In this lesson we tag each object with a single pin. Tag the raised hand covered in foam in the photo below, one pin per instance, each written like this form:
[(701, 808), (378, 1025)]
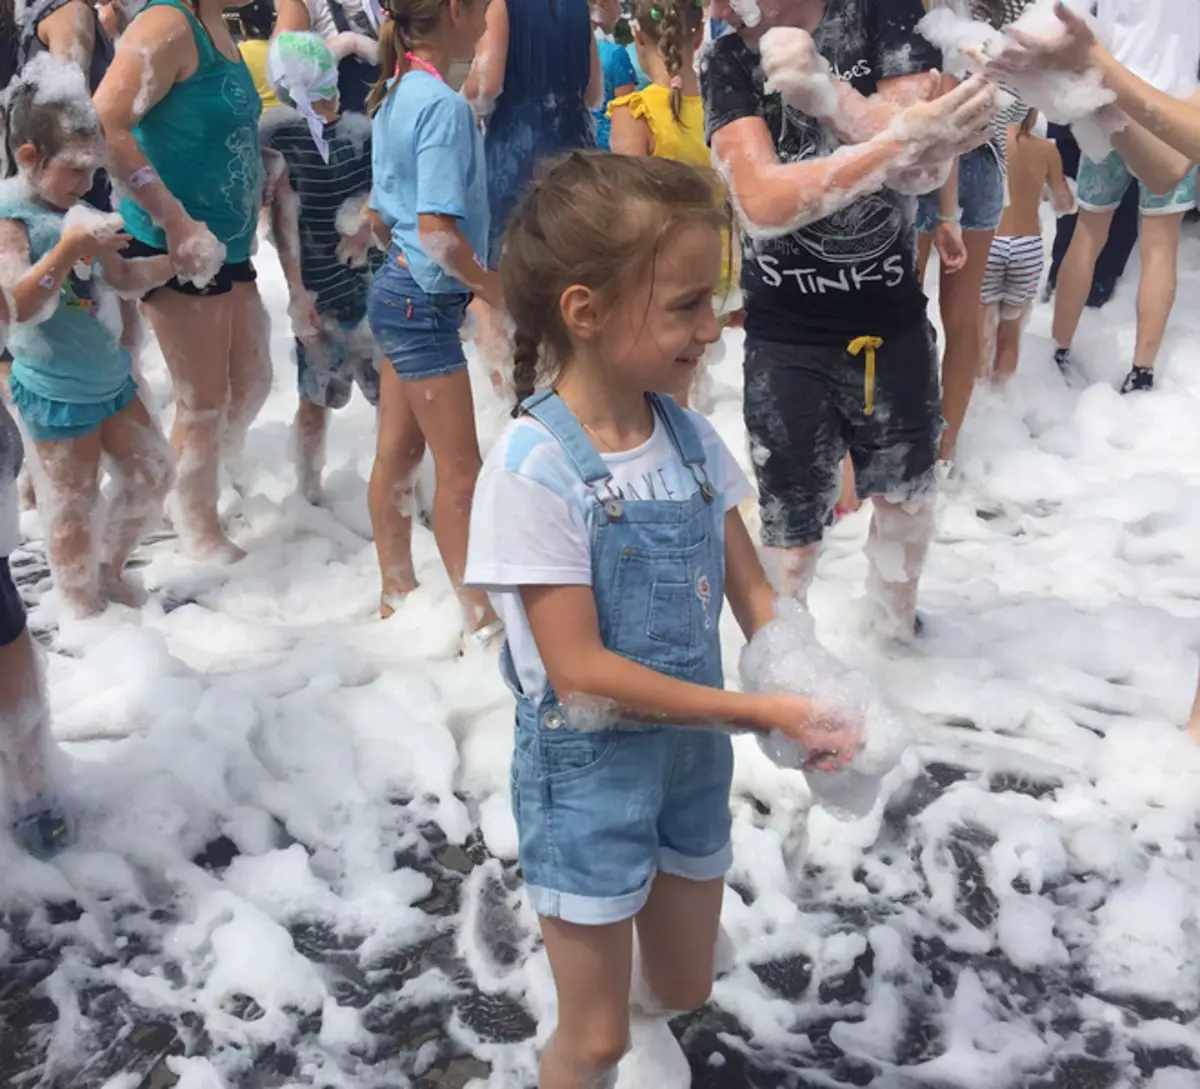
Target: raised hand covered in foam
[(1045, 57), (795, 70), (785, 657), (106, 228)]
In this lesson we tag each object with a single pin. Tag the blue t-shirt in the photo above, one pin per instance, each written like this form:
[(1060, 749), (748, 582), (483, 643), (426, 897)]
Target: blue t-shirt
[(75, 355), (427, 159), (618, 72)]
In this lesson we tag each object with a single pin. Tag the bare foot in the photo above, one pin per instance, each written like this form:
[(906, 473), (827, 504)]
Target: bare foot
[(391, 600), (219, 550), (310, 488), (121, 590), (82, 604)]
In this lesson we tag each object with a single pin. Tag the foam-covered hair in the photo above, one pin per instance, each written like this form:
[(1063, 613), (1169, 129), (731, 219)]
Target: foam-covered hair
[(302, 70)]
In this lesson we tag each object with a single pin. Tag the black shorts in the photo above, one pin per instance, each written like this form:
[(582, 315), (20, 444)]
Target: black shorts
[(805, 408), (12, 612), (239, 272), (12, 609)]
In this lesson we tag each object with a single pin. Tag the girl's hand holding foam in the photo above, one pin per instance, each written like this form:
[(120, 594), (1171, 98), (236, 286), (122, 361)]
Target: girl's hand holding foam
[(87, 241), (830, 736), (795, 70), (1069, 50)]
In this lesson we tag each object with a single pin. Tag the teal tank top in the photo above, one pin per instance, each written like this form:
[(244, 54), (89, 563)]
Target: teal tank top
[(75, 355), (202, 138)]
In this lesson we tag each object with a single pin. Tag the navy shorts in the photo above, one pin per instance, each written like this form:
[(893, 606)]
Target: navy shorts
[(419, 334), (981, 193), (12, 612)]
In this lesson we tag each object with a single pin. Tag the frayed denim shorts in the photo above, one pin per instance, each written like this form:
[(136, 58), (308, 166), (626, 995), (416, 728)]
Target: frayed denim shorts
[(419, 334)]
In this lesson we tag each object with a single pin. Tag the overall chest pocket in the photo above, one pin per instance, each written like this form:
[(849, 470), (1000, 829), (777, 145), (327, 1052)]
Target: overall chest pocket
[(666, 612)]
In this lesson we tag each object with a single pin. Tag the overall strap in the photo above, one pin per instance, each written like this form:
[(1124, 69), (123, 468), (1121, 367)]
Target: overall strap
[(549, 410), (685, 440)]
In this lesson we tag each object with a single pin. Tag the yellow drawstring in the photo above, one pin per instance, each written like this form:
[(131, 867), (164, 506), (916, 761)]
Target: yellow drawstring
[(870, 345)]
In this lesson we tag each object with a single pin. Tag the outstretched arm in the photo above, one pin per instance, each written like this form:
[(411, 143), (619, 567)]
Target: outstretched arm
[(1176, 122)]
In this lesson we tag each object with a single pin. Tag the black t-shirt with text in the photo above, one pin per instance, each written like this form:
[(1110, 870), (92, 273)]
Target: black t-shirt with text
[(853, 273)]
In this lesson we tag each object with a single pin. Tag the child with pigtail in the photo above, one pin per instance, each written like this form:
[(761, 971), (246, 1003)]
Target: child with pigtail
[(666, 119)]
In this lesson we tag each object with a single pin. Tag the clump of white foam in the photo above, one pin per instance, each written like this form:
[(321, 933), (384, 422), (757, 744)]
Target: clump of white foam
[(1069, 98), (799, 73), (786, 657), (102, 226), (199, 258)]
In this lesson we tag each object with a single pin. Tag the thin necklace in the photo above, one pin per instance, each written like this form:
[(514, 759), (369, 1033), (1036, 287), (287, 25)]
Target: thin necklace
[(423, 64), (603, 442)]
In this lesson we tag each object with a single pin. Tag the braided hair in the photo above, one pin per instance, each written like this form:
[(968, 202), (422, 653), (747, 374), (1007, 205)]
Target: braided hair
[(673, 27)]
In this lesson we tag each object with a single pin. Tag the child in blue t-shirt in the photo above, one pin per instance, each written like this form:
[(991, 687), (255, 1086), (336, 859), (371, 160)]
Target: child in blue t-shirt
[(71, 380), (619, 76), (430, 191)]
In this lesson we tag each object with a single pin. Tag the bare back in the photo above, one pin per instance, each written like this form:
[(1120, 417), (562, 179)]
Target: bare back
[(1031, 167)]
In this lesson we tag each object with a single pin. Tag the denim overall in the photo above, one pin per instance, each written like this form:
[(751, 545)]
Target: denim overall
[(601, 812)]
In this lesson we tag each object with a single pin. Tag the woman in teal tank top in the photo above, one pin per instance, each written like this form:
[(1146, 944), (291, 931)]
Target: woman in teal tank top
[(180, 114)]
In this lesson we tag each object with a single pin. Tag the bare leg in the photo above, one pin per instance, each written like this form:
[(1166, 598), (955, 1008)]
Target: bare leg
[(896, 550), (677, 940), (962, 317), (924, 249), (25, 741), (1008, 344), (591, 966), (1075, 276), (194, 335), (848, 502), (249, 368), (399, 447), (143, 470), (71, 500), (493, 343), (792, 569), (1193, 727), (1156, 292), (445, 413), (308, 437), (991, 332)]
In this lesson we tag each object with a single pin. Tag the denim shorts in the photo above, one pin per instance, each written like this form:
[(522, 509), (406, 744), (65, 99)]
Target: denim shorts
[(1102, 187), (981, 194), (60, 421), (420, 334), (601, 814)]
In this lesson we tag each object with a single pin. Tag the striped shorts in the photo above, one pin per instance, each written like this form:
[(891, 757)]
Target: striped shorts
[(1014, 271)]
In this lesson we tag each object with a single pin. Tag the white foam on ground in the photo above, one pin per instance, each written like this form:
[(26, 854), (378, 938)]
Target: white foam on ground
[(1062, 597)]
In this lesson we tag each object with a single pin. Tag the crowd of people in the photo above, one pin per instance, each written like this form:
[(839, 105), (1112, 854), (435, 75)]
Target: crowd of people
[(430, 160)]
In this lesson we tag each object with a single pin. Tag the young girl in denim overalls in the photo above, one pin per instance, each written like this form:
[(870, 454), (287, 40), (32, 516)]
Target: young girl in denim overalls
[(606, 528)]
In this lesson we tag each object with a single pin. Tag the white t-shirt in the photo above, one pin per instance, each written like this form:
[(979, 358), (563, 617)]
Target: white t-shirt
[(529, 521), (322, 22), (1158, 40)]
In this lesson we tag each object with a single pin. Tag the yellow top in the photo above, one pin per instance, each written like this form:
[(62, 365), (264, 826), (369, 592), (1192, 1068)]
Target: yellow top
[(681, 140), (254, 53)]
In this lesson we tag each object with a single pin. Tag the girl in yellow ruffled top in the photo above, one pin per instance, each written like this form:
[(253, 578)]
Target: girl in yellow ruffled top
[(666, 119)]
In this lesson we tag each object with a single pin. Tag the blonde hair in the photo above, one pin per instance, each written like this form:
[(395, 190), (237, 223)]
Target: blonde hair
[(599, 221), (672, 26)]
